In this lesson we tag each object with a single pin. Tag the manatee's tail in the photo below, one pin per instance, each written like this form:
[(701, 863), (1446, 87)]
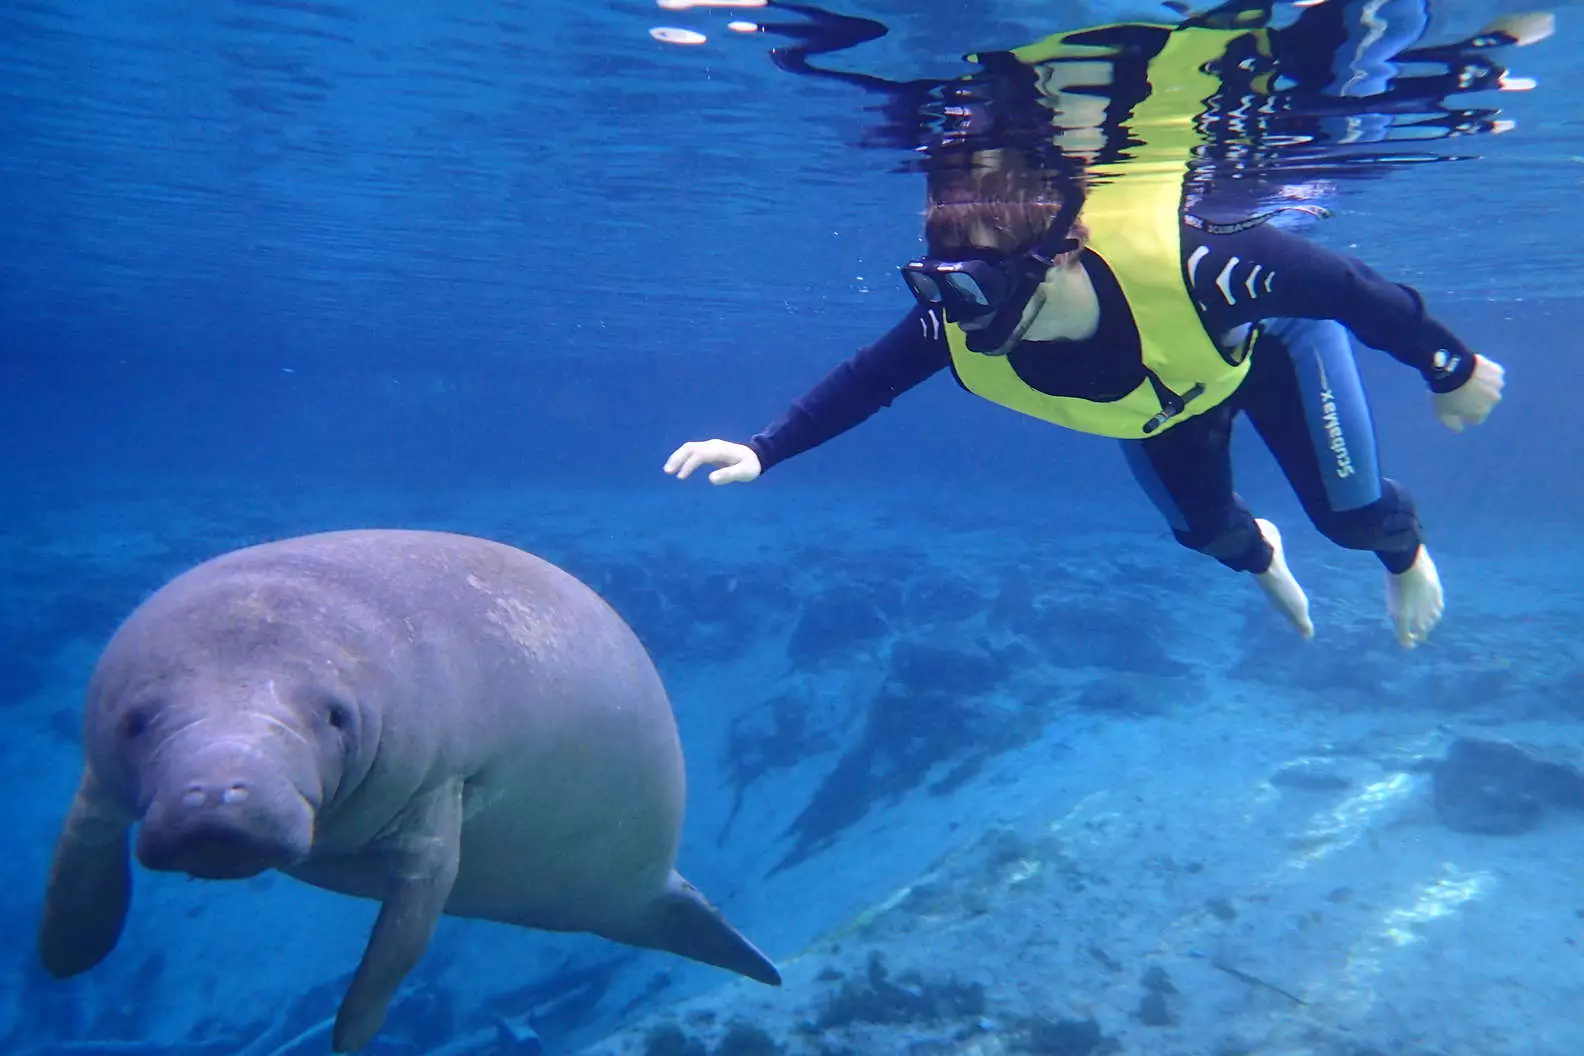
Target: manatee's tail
[(682, 921)]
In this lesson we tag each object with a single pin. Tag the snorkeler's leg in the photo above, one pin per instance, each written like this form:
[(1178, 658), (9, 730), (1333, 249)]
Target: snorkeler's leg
[(1305, 398), (1187, 474)]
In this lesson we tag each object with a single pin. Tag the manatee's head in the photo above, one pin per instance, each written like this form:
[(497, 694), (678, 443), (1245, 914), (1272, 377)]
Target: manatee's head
[(228, 711)]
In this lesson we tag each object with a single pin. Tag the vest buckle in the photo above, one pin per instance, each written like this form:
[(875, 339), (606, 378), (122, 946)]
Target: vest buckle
[(1171, 404)]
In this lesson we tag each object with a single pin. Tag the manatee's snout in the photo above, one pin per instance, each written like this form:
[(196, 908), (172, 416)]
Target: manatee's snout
[(225, 820)]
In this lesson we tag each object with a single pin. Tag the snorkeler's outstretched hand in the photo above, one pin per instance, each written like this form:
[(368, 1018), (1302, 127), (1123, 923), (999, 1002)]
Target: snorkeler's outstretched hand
[(738, 462), (1471, 402)]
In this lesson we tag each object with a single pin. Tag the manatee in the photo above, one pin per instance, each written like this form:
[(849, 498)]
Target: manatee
[(441, 723)]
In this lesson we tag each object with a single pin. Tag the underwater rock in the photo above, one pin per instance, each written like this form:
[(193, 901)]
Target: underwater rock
[(426, 1017), (1155, 1007), (1153, 1010), (774, 736), (1121, 634), (925, 713), (893, 755), (1497, 788), (1310, 775), (1062, 1037), (908, 730), (833, 622), (1351, 685), (1122, 693), (561, 1001), (670, 1040), (937, 706), (917, 667), (943, 599), (745, 1039), (518, 1039), (686, 607), (629, 588), (722, 597), (910, 999)]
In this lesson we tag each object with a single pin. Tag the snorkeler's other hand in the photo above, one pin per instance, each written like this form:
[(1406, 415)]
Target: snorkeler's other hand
[(1471, 402), (738, 462)]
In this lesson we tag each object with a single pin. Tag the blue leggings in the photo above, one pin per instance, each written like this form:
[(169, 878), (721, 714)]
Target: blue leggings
[(1305, 399)]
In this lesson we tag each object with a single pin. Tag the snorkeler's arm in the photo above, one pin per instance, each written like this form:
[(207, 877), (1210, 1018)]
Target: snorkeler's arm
[(912, 351), (1266, 273)]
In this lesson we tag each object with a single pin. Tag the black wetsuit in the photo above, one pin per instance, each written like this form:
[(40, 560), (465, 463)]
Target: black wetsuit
[(1302, 391)]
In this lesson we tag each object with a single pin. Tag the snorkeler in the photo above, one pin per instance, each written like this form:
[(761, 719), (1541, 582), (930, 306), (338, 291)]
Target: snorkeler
[(1087, 296)]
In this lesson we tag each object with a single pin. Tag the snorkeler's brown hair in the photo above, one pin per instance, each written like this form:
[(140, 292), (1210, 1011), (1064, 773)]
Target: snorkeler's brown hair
[(992, 199)]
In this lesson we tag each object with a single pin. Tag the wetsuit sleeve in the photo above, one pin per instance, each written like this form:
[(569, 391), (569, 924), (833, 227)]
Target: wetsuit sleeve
[(1266, 273), (912, 351)]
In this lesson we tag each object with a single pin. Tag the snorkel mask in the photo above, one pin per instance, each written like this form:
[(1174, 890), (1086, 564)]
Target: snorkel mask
[(989, 290)]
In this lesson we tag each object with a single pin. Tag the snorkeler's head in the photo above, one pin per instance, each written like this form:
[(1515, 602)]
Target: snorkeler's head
[(995, 200), (995, 228)]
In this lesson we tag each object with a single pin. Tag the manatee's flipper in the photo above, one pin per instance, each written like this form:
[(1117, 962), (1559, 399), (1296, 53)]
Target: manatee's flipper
[(90, 883), (423, 853), (683, 922)]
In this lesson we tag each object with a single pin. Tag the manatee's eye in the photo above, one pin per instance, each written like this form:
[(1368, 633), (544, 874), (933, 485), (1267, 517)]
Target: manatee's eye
[(134, 723), (338, 715)]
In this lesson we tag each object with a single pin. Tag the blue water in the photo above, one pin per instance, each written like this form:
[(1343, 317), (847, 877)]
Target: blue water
[(270, 267)]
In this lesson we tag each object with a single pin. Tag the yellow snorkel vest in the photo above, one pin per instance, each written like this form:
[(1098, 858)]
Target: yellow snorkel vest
[(1133, 209)]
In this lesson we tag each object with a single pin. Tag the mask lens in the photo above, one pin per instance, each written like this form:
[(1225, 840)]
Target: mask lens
[(923, 285), (967, 288)]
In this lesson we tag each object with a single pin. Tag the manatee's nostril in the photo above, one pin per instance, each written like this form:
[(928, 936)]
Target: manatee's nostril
[(199, 794)]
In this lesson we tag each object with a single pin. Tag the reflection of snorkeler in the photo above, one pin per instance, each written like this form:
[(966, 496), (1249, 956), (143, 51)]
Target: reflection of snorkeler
[(1350, 72), (1359, 48), (1334, 73), (1092, 301)]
